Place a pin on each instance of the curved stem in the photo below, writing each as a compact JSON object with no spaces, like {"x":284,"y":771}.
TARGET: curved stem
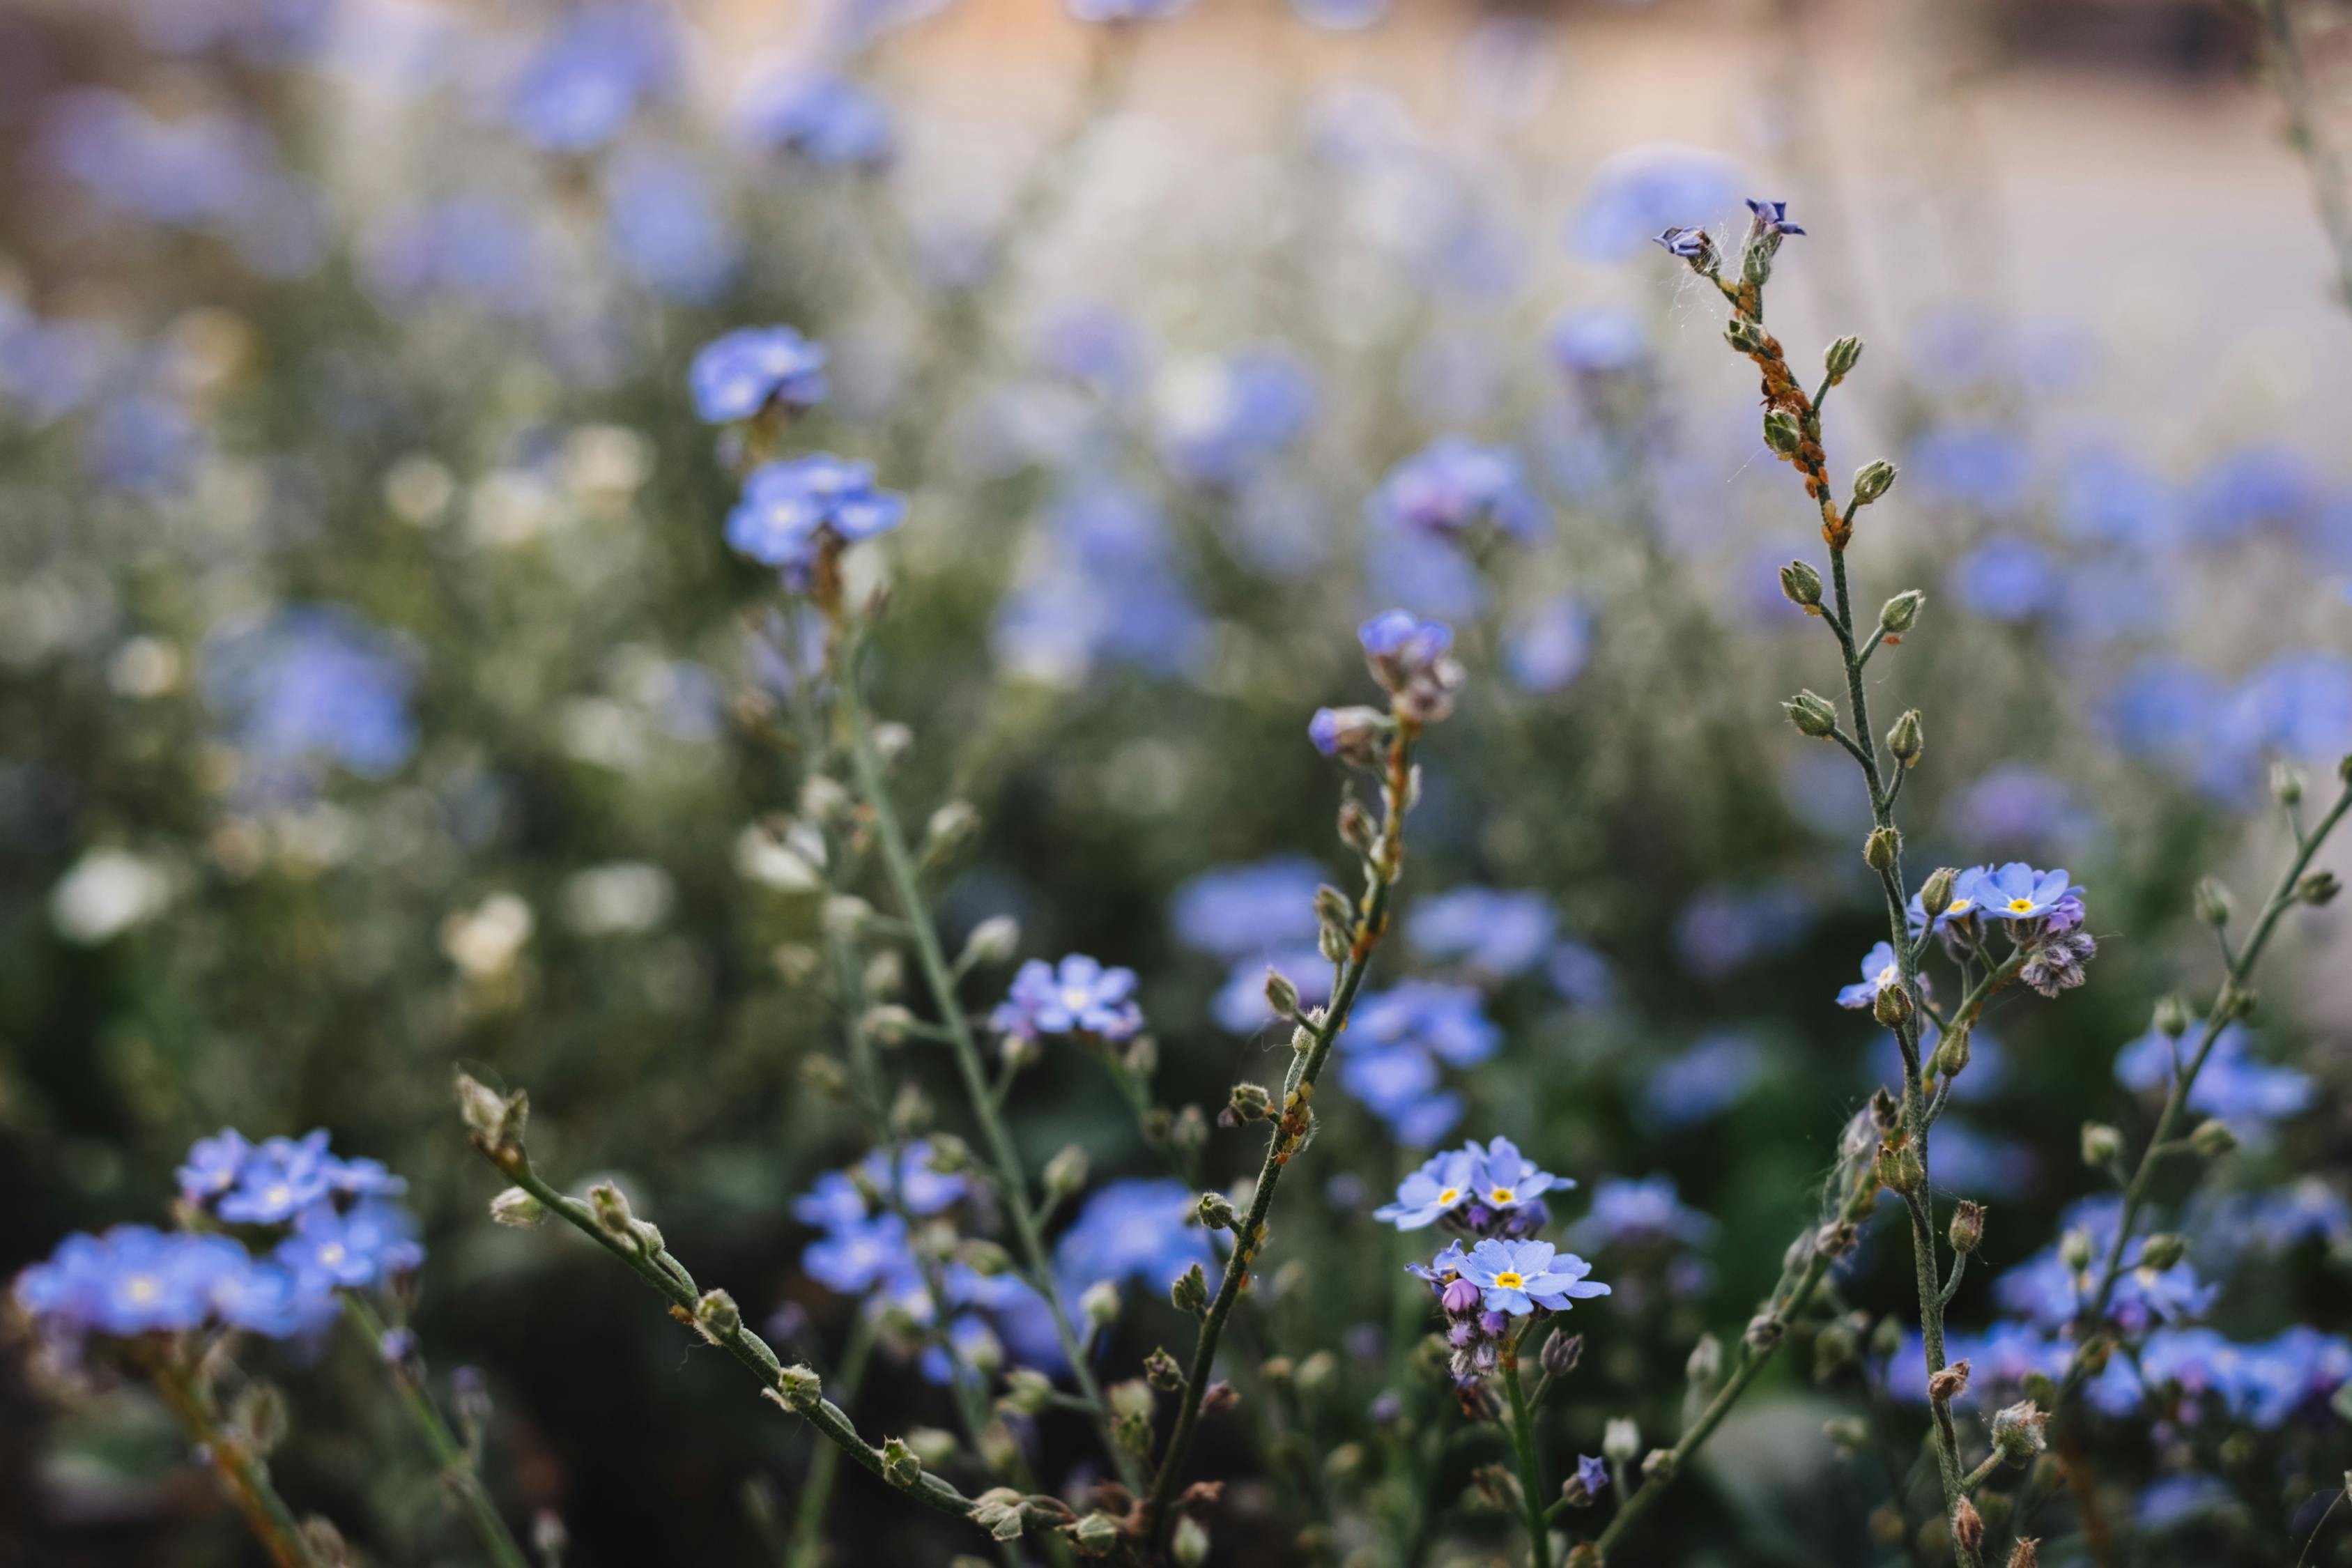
{"x":457,"y":1466}
{"x":266,"y":1514}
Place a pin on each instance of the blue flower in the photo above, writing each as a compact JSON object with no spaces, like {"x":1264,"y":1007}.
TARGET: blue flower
{"x":1503,"y":934}
{"x":1447,"y":1021}
{"x":1598,"y":340}
{"x":1581,"y":975}
{"x":1077,"y":996}
{"x":371,"y":1243}
{"x":824,"y":118}
{"x":1445,"y":1183}
{"x":1244,"y":911}
{"x":1641,"y":190}
{"x":1132,"y":1230}
{"x":1517,"y":1277}
{"x":1703,"y":1081}
{"x":666,"y":228}
{"x":2018,"y":805}
{"x":856,"y":1257}
{"x":738,"y":376}
{"x":1591,"y":1473}
{"x":1682,"y":242}
{"x":586,"y":80}
{"x":1399,"y":1084}
{"x":1505,"y":1179}
{"x":1240,"y":1004}
{"x":213,"y":1164}
{"x":1879,"y":972}
{"x":1108,"y":586}
{"x":1114,"y":11}
{"x":2235,"y":1086}
{"x":134,"y":1279}
{"x":1454,"y":486}
{"x":266,"y":1299}
{"x":1219,"y":423}
{"x":308,"y":686}
{"x":2249,"y":489}
{"x":2175,"y":1501}
{"x":466,"y":246}
{"x":281,"y":1179}
{"x":1629,"y":1212}
{"x":921,"y":1190}
{"x":1546,"y":648}
{"x":1401,"y":636}
{"x":2016,"y":892}
{"x":790,"y":509}
{"x":1770,"y":218}
{"x":1971,"y":465}
{"x":2006,"y":578}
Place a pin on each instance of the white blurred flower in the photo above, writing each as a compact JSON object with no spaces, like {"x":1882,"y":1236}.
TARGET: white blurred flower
{"x":483,"y":941}
{"x":764,"y":857}
{"x":106,"y":892}
{"x":144,"y":666}
{"x":627,"y":896}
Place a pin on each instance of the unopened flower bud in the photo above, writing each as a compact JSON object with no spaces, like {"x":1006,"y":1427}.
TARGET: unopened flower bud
{"x":1840,"y":358}
{"x":1968,"y":1527}
{"x":2212,"y":1139}
{"x":1802,"y":584}
{"x":518,"y":1208}
{"x":900,"y":1468}
{"x":801,"y":1387}
{"x":1353,"y":735}
{"x":2025,"y":1554}
{"x":887,"y":1024}
{"x":1782,"y":433}
{"x":948,"y":828}
{"x":1217,"y":1211}
{"x":2101,"y":1145}
{"x":1356,"y":828}
{"x":2162,"y":1250}
{"x":2213,"y":902}
{"x":2074,"y":1249}
{"x":1953,"y":1054}
{"x":1159,"y":1370}
{"x":1906,"y":740}
{"x":1811,"y":714}
{"x":610,"y":1207}
{"x":1879,"y":850}
{"x":910,"y":1111}
{"x":1251,"y":1102}
{"x":1887,"y":1338}
{"x":1872,"y":480}
{"x":1901,"y":613}
{"x":1188,"y":1544}
{"x":2287,"y":783}
{"x":1095,"y":1534}
{"x":1065,"y":1173}
{"x":1099,"y":1304}
{"x":1620,"y":1440}
{"x":2318,"y":888}
{"x":998,"y":1511}
{"x":1892,"y":1005}
{"x":1658,"y":1465}
{"x":992,"y":941}
{"x":2017,"y":1431}
{"x":1835,"y":1348}
{"x":1763,"y":1334}
{"x":1315,"y":1373}
{"x":1705,"y":1363}
{"x":718,"y":1314}
{"x":1936,"y":892}
{"x":1189,"y":1290}
{"x":1280,"y":994}
{"x":1949,"y":1384}
{"x":1561,"y":1352}
{"x":1898,"y":1166}
{"x":496,"y":1120}
{"x":1966,"y":1232}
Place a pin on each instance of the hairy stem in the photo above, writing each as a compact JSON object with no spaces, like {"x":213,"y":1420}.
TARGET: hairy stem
{"x":816,"y":1490}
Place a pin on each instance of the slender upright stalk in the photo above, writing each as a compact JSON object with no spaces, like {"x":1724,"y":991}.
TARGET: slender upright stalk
{"x":1523,"y":1443}
{"x":266,"y":1514}
{"x":457,"y":1466}
{"x":1295,"y":1121}
{"x":2331,"y":181}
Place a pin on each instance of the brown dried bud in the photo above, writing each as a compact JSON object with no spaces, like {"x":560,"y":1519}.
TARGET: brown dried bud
{"x":1947,"y":1385}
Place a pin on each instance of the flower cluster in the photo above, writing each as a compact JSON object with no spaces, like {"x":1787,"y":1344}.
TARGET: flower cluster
{"x":795,"y":512}
{"x":1454,"y":487}
{"x":753,"y":369}
{"x":1390,"y":1056}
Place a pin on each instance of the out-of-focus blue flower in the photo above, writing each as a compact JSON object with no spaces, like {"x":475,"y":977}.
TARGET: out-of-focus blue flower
{"x":350,"y":1250}
{"x":1092,"y":344}
{"x":1455,"y":485}
{"x":1240,"y":1004}
{"x":1424,"y":574}
{"x":1981,"y":467}
{"x":1220,"y":422}
{"x":1517,"y":1277}
{"x":1643,"y":189}
{"x":1404,"y":637}
{"x":588,"y":78}
{"x":2278,"y":1218}
{"x":143,"y":444}
{"x":1441,"y":1186}
{"x":1340,"y":16}
{"x":198,"y":169}
{"x":1240,"y":912}
{"x":1879,"y":972}
{"x":309,"y":686}
{"x":854,"y":1259}
{"x":49,"y":368}
{"x":2245,"y":1092}
{"x":1703,"y":1081}
{"x":134,"y":1279}
{"x":268,"y":34}
{"x":735,"y":376}
{"x":667,"y":230}
{"x":1447,"y":1021}
{"x":1580,"y":974}
{"x":1103,"y":583}
{"x":472,"y":247}
{"x":2046,"y":1293}
{"x":1078,"y":995}
{"x":1138,"y":1230}
{"x":1124,"y":10}
{"x":2163,"y":709}
{"x":1504,"y":933}
{"x":280,"y":1179}
{"x":1723,"y":929}
{"x":2253,"y":488}
{"x":1970,"y":1160}
{"x":1598,"y":339}
{"x":2299,"y":705}
{"x":2006,"y":578}
{"x":1637,"y":1213}
{"x":922,"y":1191}
{"x":1399,"y":1084}
{"x":2015,"y":805}
{"x":826,"y":118}
{"x":2106,"y":496}
{"x":213,"y":1164}
{"x":788,"y":507}
{"x":2176,"y":1499}
{"x":1546,"y":649}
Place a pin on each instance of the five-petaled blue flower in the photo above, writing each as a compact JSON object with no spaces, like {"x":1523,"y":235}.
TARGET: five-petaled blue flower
{"x":2016,"y":892}
{"x":1080,"y":996}
{"x":1401,"y":636}
{"x":1517,"y":1277}
{"x":1772,"y":218}
{"x":1879,"y":972}
{"x":1592,"y":1471}
{"x":1443,"y":1184}
{"x":787,"y":508}
{"x":738,"y":376}
{"x":1507,"y":1179}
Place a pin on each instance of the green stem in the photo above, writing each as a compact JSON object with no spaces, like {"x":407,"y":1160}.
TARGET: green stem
{"x":1013,"y":1182}
{"x":266,"y":1514}
{"x":808,"y":1520}
{"x":1291,"y":1126}
{"x":457,"y":1468}
{"x":668,"y":1277}
{"x":1523,"y":1441}
{"x":2329,"y":179}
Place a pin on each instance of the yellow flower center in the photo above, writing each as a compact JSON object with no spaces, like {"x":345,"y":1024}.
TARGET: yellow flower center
{"x":1449,"y":1194}
{"x":1959,"y":906}
{"x":1508,"y":1279}
{"x":1501,"y":1196}
{"x":2020,"y":905}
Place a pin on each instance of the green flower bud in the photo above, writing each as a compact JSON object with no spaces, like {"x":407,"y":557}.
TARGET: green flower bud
{"x":718,"y":1314}
{"x":496,"y":1120}
{"x":610,"y":1207}
{"x":1890,"y":1007}
{"x":518,"y":1208}
{"x":1841,"y":359}
{"x":1217,"y":1211}
{"x":1782,"y":433}
{"x":2318,"y":888}
{"x":1561,"y":1353}
{"x":1065,"y":1173}
{"x":2074,"y":1249}
{"x":1803,"y":584}
{"x":1847,"y":1433}
{"x":1251,"y":1102}
{"x":1620,"y":1440}
{"x":2213,"y":902}
{"x":1936,"y":892}
{"x":998,"y":1511}
{"x":2212,"y":1139}
{"x":1879,"y":850}
{"x":2171,"y":1017}
{"x":1810,"y":712}
{"x":1189,"y":1290}
{"x":1189,"y":1543}
{"x":800,"y":1387}
{"x":1898,"y":1166}
{"x":1100,"y":1305}
{"x":2101,"y":1144}
{"x":1095,"y":1534}
{"x":1280,"y":994}
{"x":1160,"y":1371}
{"x":949,"y":829}
{"x":1658,"y":1465}
{"x":2017,"y":1432}
{"x":1905,"y":740}
{"x":1952,"y":1055}
{"x":2287,"y":783}
{"x":1887,"y":1338}
{"x":900,"y":1468}
{"x":1872,"y":480}
{"x":2162,"y":1250}
{"x":1901,"y":613}
{"x":1705,"y":1363}
{"x":1966,"y":1232}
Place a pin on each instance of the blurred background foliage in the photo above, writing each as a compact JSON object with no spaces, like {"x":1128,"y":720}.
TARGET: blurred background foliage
{"x":375,"y":698}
